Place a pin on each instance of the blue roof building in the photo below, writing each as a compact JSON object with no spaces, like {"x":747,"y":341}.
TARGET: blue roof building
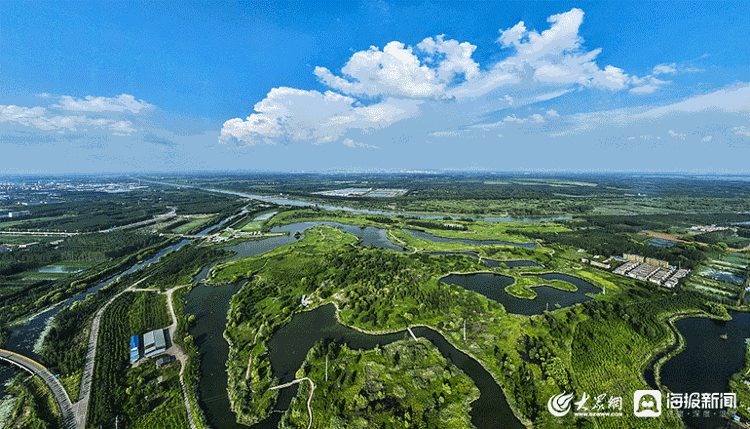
{"x":135,"y":351}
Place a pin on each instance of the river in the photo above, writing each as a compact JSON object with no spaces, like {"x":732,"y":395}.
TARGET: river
{"x":26,"y":337}
{"x":289,"y":346}
{"x":210,"y":305}
{"x":707,"y":362}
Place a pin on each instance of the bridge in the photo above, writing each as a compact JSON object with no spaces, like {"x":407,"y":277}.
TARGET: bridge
{"x":35,"y":368}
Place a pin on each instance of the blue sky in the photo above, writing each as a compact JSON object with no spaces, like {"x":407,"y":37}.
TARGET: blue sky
{"x":605,"y":86}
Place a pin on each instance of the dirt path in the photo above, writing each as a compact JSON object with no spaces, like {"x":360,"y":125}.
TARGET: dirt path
{"x":179,"y":354}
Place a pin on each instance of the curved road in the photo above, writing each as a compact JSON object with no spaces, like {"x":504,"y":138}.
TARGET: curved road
{"x":37,"y":369}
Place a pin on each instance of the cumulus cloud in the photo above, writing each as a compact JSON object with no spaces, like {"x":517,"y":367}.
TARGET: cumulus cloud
{"x":42,"y":119}
{"x":394,"y":71}
{"x":122,"y":103}
{"x":453,"y":58}
{"x":557,"y":56}
{"x":294,"y":115}
{"x":438,"y":78}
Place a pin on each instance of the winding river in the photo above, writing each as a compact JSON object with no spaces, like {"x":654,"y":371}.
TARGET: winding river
{"x":289,"y":346}
{"x":210,"y":305}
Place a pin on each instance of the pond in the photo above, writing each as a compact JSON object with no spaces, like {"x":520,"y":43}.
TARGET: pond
{"x":492,"y":285}
{"x":436,"y":239}
{"x":708,"y":362}
{"x":289,"y":346}
{"x":59,"y":269}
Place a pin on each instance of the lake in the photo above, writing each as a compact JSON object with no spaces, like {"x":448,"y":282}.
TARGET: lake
{"x":492,"y":285}
{"x":708,"y":362}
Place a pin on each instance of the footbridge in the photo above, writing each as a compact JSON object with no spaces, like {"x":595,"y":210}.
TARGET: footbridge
{"x":35,"y":368}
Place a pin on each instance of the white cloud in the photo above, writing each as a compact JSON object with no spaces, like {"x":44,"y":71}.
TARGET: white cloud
{"x":665,"y":69}
{"x":735,"y":99}
{"x":42,"y":119}
{"x":294,"y":115}
{"x":453,"y":58}
{"x":741,"y":131}
{"x":707,"y":139}
{"x":395,"y":71}
{"x":556,"y":55}
{"x":358,"y":145}
{"x":676,"y":135}
{"x":438,"y":79}
{"x":122,"y":103}
{"x":535,"y":118}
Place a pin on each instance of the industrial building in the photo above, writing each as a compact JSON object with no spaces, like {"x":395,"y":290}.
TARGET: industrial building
{"x":16,"y":214}
{"x":154,"y":342}
{"x":135,"y":349}
{"x":164,"y":360}
{"x":653,"y":270}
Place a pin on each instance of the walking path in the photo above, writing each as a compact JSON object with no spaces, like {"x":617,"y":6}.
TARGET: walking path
{"x":309,"y":397}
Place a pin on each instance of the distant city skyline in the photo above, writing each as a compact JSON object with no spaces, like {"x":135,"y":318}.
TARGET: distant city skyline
{"x":89,"y":87}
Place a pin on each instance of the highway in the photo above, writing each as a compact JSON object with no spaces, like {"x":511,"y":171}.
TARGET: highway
{"x":61,"y":396}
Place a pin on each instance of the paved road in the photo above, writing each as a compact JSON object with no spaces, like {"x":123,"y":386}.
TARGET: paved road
{"x":37,"y":369}
{"x":39,"y":233}
{"x":84,"y":394}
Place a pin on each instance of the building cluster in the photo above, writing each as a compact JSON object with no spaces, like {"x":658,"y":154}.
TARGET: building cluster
{"x":700,"y":229}
{"x":364,"y":192}
{"x":154,"y":343}
{"x":15,"y":214}
{"x":594,"y":263}
{"x":653,"y":270}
